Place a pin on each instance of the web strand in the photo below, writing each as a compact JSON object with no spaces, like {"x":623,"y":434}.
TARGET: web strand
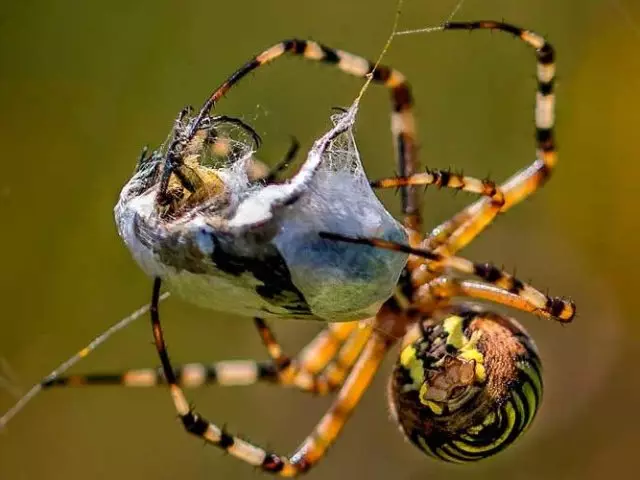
{"x":396,"y":33}
{"x":66,"y":365}
{"x":624,"y":12}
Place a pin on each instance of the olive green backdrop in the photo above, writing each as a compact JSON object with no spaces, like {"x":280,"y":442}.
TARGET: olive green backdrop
{"x":84,"y":85}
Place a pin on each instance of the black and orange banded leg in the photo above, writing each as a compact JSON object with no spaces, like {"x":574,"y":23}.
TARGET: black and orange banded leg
{"x":315,"y":356}
{"x":444,"y":179}
{"x":439,"y":291}
{"x":320,"y":368}
{"x":520,"y":294}
{"x":315,"y":445}
{"x":336,"y":371}
{"x":226,"y":373}
{"x":466,"y":225}
{"x":322,"y":373}
{"x":190,"y":375}
{"x":402,"y":120}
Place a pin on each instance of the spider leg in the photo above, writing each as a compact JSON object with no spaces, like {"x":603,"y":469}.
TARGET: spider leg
{"x":402,"y":120}
{"x":502,"y":286}
{"x":315,"y":356}
{"x":466,"y":225}
{"x":190,"y":375}
{"x":319,"y":369}
{"x":314,"y":446}
{"x":445,"y":179}
{"x":430,"y":296}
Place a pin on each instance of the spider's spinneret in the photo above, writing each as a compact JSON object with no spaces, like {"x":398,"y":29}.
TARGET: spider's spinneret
{"x":467,"y":387}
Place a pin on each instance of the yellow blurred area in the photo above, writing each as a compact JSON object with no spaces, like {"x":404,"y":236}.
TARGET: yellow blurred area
{"x":84,"y":85}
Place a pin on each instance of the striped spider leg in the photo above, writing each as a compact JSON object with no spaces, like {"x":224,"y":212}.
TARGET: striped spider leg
{"x":323,"y":364}
{"x":402,"y":120}
{"x":462,"y":228}
{"x":320,"y":368}
{"x":457,"y":232}
{"x":499,"y":287}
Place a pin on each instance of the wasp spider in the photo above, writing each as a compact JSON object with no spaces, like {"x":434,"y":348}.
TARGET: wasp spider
{"x":468,"y":380}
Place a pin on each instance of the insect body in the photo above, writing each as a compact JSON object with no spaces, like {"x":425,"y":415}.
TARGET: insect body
{"x":207,"y":233}
{"x":467,"y":382}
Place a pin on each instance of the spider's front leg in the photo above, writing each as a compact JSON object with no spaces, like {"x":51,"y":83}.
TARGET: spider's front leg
{"x":314,"y":446}
{"x":403,"y":126}
{"x":457,"y":232}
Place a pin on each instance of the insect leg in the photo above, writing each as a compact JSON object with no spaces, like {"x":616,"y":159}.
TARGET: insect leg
{"x":283,"y":164}
{"x":191,"y":375}
{"x":320,"y":367}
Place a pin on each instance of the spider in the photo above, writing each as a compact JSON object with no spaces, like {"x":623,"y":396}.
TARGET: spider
{"x":467,"y":382}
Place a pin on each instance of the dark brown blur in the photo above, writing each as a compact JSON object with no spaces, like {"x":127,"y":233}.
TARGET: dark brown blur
{"x":84,"y":85}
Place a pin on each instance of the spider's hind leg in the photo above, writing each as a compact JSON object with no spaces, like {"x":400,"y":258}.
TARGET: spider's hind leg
{"x":314,"y":446}
{"x":320,"y":368}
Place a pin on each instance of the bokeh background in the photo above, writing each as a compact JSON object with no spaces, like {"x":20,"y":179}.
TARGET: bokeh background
{"x":83,"y":85}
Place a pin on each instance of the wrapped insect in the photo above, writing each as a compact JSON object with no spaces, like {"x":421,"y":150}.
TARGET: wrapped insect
{"x":226,"y":241}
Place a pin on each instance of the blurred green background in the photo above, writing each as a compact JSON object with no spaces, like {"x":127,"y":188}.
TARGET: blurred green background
{"x":84,"y":85}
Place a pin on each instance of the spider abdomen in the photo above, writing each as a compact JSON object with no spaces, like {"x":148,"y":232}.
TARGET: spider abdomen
{"x":468,"y":387}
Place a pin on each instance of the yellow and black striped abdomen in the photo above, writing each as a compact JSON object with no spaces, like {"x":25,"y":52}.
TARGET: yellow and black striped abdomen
{"x":468,"y":387}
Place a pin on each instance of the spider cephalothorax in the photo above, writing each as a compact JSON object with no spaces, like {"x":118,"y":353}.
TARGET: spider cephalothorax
{"x":468,"y":386}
